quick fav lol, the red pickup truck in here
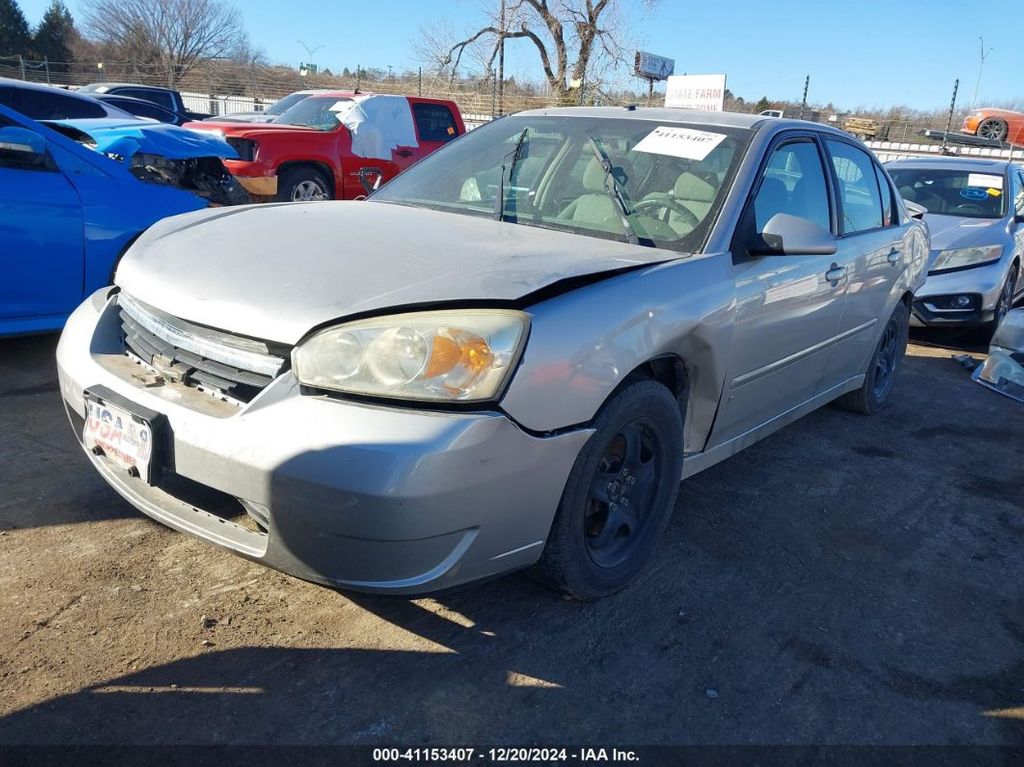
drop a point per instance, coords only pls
(334, 145)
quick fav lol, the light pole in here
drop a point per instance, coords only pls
(309, 52)
(984, 55)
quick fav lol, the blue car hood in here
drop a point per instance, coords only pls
(129, 137)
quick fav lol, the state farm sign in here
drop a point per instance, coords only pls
(705, 93)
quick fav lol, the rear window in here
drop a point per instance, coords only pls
(953, 192)
(50, 104)
(162, 98)
(434, 122)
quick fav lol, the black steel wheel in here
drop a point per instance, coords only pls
(619, 495)
(883, 366)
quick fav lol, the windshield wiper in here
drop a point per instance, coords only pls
(611, 186)
(516, 153)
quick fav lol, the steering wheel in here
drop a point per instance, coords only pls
(667, 201)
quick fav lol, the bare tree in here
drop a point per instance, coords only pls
(575, 40)
(174, 35)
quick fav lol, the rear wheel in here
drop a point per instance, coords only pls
(619, 495)
(994, 129)
(302, 184)
(873, 395)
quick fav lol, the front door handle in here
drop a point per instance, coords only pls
(893, 257)
(835, 273)
(403, 152)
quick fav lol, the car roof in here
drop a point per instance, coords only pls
(10, 81)
(664, 114)
(980, 164)
(126, 85)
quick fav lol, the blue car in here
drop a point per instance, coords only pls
(67, 213)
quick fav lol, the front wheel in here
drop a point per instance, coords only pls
(302, 185)
(1005, 300)
(873, 395)
(619, 495)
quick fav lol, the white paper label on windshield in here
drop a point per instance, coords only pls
(985, 181)
(679, 142)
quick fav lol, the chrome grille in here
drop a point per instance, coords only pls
(233, 366)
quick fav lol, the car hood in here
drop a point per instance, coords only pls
(277, 271)
(248, 129)
(126, 138)
(948, 232)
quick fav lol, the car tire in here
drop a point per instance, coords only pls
(1005, 301)
(619, 495)
(873, 395)
(302, 184)
(993, 128)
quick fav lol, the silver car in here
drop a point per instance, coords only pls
(976, 218)
(508, 357)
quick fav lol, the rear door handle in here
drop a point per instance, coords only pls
(893, 257)
(835, 274)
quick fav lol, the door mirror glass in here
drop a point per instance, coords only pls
(788, 235)
(20, 146)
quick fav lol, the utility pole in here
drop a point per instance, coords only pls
(501, 60)
(803, 104)
(981, 66)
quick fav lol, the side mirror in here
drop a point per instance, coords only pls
(786, 235)
(21, 146)
(915, 210)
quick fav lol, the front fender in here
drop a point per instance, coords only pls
(585, 342)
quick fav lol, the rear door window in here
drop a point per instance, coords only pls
(434, 122)
(162, 98)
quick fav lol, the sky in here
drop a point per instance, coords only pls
(869, 53)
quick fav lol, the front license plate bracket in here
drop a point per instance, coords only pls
(148, 467)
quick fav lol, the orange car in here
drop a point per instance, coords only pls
(997, 124)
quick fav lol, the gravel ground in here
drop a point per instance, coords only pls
(849, 580)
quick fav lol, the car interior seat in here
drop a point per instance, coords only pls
(594, 208)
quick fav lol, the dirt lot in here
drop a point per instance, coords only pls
(849, 580)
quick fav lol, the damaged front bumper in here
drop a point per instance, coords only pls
(359, 496)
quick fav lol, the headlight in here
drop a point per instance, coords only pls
(954, 259)
(464, 355)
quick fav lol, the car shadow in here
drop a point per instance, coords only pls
(829, 584)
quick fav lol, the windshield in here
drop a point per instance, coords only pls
(953, 192)
(282, 106)
(671, 178)
(320, 112)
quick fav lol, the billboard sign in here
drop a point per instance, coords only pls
(705, 93)
(653, 67)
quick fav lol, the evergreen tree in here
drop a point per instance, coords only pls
(14, 35)
(54, 36)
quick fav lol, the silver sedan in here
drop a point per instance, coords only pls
(507, 358)
(976, 219)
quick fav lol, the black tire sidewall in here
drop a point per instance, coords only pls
(293, 177)
(658, 410)
(901, 317)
